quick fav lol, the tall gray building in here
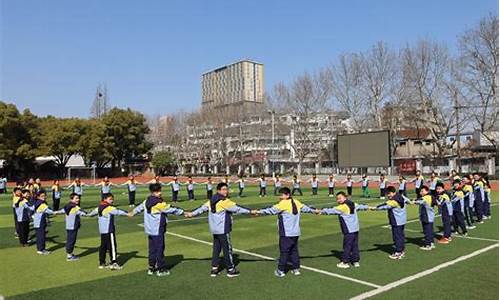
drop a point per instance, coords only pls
(239, 83)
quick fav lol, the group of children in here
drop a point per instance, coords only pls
(467, 203)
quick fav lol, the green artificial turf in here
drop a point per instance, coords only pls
(26, 275)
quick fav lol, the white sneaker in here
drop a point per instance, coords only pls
(343, 265)
(115, 266)
(356, 265)
(433, 246)
(279, 273)
(426, 248)
(43, 252)
(471, 227)
(295, 272)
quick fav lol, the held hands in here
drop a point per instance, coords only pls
(188, 214)
(130, 214)
(254, 212)
(317, 211)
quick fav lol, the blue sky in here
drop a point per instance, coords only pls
(151, 54)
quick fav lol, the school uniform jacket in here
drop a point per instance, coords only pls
(348, 216)
(426, 209)
(72, 214)
(457, 201)
(220, 212)
(106, 217)
(396, 209)
(155, 215)
(41, 210)
(468, 194)
(22, 208)
(445, 204)
(288, 212)
(479, 191)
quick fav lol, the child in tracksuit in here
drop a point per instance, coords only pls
(262, 185)
(396, 210)
(364, 186)
(478, 187)
(23, 215)
(241, 187)
(331, 186)
(382, 184)
(426, 214)
(458, 204)
(446, 209)
(41, 211)
(17, 194)
(419, 182)
(220, 209)
(155, 225)
(487, 198)
(106, 220)
(296, 186)
(468, 202)
(314, 185)
(190, 188)
(348, 183)
(277, 184)
(348, 218)
(288, 211)
(210, 187)
(175, 185)
(72, 212)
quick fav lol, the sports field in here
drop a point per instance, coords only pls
(467, 268)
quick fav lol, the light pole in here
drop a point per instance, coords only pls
(272, 139)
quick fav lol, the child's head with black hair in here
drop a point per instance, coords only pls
(108, 198)
(41, 194)
(349, 176)
(424, 190)
(222, 189)
(17, 191)
(456, 184)
(74, 198)
(26, 193)
(391, 191)
(155, 189)
(285, 193)
(440, 188)
(341, 197)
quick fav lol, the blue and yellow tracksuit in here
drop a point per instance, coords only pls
(426, 215)
(72, 213)
(155, 225)
(487, 200)
(349, 225)
(288, 212)
(468, 204)
(457, 201)
(14, 201)
(131, 188)
(479, 199)
(220, 211)
(41, 211)
(106, 220)
(23, 215)
(396, 211)
(446, 209)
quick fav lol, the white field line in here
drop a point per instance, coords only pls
(402, 281)
(460, 236)
(418, 219)
(272, 259)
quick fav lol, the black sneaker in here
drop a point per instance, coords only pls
(233, 273)
(214, 272)
(151, 271)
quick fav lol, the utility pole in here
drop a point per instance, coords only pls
(272, 112)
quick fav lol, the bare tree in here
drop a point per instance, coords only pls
(346, 85)
(100, 105)
(479, 62)
(426, 66)
(305, 97)
(378, 71)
